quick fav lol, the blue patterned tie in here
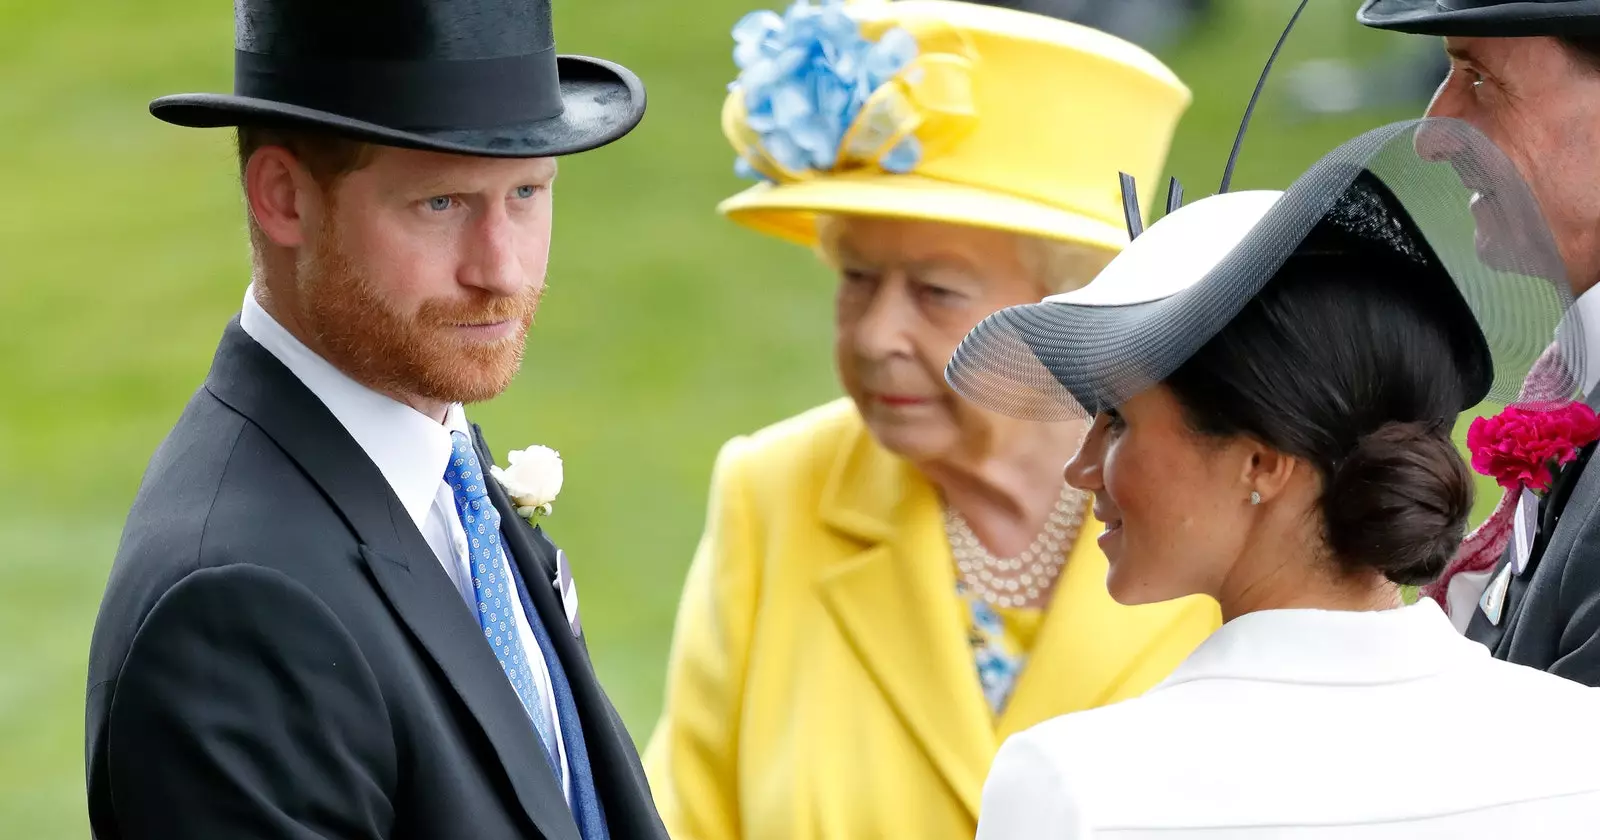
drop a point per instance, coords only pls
(492, 585)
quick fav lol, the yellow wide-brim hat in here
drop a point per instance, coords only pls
(1020, 122)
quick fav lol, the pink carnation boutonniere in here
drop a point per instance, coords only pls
(1522, 447)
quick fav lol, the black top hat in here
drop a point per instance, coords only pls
(1483, 18)
(477, 77)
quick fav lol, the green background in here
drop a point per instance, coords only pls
(666, 329)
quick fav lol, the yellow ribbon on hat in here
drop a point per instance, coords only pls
(747, 143)
(931, 98)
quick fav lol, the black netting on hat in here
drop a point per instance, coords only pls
(1367, 218)
(1428, 201)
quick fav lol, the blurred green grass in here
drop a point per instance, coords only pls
(666, 330)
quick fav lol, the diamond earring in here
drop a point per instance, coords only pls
(1255, 498)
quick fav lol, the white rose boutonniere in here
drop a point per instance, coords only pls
(532, 478)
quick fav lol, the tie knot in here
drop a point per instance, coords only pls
(464, 475)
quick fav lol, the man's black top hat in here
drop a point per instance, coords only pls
(477, 77)
(1483, 18)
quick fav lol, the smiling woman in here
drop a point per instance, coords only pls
(1388, 494)
(890, 584)
(1273, 379)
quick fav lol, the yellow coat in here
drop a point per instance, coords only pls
(820, 684)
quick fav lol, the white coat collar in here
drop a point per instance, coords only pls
(1325, 647)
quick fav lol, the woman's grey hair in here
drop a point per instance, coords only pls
(1059, 266)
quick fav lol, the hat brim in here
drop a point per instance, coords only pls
(1061, 360)
(790, 211)
(1505, 20)
(602, 102)
(1385, 198)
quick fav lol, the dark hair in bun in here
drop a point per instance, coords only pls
(1399, 502)
(1347, 363)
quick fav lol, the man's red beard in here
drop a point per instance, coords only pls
(421, 355)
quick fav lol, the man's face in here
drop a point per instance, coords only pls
(422, 272)
(1540, 104)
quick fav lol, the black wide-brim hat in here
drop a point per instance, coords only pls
(474, 77)
(1397, 200)
(1483, 18)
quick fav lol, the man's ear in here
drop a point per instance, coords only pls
(280, 192)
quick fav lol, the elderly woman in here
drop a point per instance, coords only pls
(890, 584)
(1276, 433)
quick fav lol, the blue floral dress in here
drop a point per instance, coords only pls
(1000, 638)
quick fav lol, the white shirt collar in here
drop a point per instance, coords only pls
(1327, 647)
(408, 447)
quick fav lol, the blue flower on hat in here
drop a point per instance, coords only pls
(804, 78)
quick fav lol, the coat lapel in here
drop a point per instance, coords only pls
(1555, 502)
(250, 380)
(417, 587)
(897, 596)
(618, 781)
(1551, 506)
(896, 606)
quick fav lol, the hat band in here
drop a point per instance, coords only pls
(463, 94)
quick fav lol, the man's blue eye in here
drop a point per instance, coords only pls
(439, 204)
(526, 191)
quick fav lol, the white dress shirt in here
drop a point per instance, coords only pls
(412, 451)
(1466, 589)
(1300, 724)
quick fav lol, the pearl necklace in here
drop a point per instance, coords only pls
(1020, 580)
